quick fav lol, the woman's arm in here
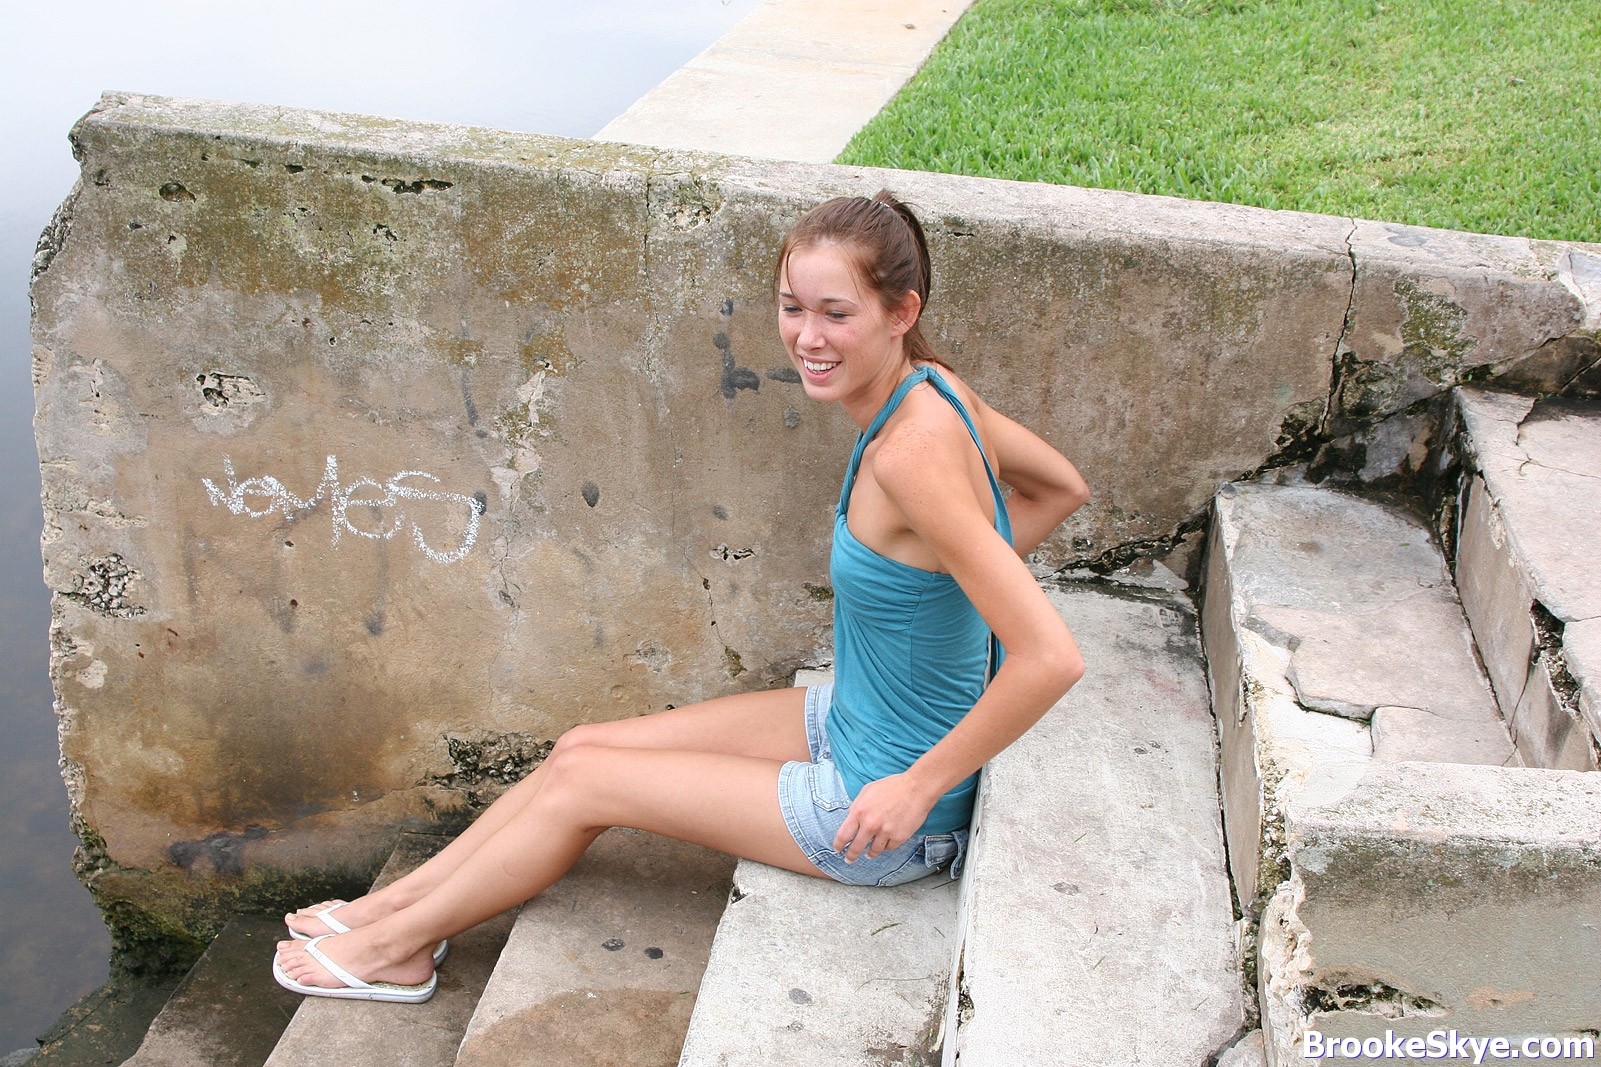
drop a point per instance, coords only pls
(1046, 487)
(923, 472)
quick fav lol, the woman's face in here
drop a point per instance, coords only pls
(839, 337)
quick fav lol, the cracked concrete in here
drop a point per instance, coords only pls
(1579, 271)
(1323, 599)
(1340, 348)
(1317, 605)
(1541, 465)
(1415, 328)
(1403, 870)
(1530, 586)
(1489, 879)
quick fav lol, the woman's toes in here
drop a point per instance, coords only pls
(309, 920)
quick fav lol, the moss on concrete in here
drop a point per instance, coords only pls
(162, 921)
(487, 764)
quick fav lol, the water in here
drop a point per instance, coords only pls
(546, 66)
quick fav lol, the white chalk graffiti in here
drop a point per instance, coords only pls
(260, 497)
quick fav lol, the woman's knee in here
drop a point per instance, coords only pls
(589, 733)
(571, 775)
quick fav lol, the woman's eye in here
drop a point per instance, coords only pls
(788, 309)
(837, 316)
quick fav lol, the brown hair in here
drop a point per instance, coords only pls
(885, 245)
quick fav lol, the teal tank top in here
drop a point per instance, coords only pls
(911, 653)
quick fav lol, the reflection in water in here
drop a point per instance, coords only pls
(542, 66)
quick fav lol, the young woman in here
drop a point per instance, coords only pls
(868, 781)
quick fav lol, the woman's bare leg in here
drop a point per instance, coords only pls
(727, 802)
(767, 725)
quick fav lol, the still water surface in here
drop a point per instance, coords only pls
(545, 66)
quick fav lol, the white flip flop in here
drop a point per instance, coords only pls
(325, 916)
(354, 988)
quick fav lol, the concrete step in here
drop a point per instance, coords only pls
(810, 971)
(1529, 574)
(603, 967)
(805, 970)
(106, 1026)
(1390, 869)
(228, 1011)
(367, 1034)
(1326, 617)
(1097, 927)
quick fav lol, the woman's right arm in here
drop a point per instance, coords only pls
(1046, 487)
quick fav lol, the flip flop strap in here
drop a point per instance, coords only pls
(333, 968)
(325, 916)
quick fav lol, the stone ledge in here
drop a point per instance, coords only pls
(603, 966)
(1096, 926)
(1435, 896)
(1318, 600)
(805, 970)
(228, 1011)
(809, 971)
(1405, 894)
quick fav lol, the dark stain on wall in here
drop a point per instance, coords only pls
(224, 850)
(735, 377)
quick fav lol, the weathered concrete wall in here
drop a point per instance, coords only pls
(375, 454)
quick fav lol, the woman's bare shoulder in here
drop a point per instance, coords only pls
(929, 431)
(984, 417)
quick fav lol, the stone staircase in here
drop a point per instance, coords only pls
(1406, 772)
(1395, 759)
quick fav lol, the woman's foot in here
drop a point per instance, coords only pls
(358, 957)
(343, 916)
(303, 924)
(318, 919)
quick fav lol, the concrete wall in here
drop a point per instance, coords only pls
(377, 453)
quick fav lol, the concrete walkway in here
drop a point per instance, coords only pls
(793, 80)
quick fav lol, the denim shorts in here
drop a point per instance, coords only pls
(815, 803)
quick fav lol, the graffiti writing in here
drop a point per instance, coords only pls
(266, 495)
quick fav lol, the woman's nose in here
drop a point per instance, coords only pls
(810, 336)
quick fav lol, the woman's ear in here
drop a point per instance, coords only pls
(904, 316)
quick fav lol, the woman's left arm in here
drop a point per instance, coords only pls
(1046, 487)
(924, 474)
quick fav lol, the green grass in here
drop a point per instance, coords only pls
(1480, 115)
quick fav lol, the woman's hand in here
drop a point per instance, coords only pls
(884, 816)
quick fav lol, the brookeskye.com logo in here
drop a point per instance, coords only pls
(1448, 1045)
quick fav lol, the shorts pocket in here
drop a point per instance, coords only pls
(910, 869)
(828, 788)
(941, 850)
